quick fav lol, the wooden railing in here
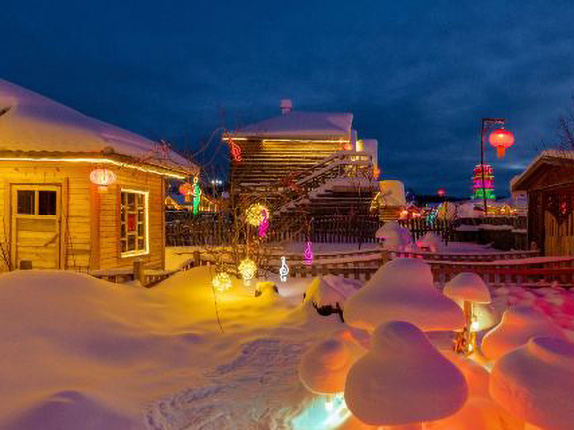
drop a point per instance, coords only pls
(466, 257)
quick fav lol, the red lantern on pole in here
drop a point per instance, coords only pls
(441, 192)
(501, 139)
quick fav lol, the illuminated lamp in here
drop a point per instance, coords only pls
(103, 177)
(284, 270)
(248, 269)
(308, 254)
(221, 282)
(441, 192)
(501, 139)
(256, 214)
(376, 172)
(348, 147)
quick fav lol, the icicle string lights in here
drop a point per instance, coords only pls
(284, 270)
(308, 254)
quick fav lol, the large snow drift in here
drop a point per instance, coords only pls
(81, 353)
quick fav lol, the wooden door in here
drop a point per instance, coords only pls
(36, 225)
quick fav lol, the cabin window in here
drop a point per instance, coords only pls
(134, 223)
(36, 202)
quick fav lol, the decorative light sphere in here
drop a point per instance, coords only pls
(248, 269)
(501, 139)
(255, 214)
(103, 177)
(221, 282)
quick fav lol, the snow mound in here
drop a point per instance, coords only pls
(331, 290)
(394, 236)
(518, 325)
(534, 383)
(468, 287)
(60, 410)
(431, 241)
(403, 379)
(324, 367)
(403, 290)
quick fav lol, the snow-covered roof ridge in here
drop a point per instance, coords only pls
(301, 124)
(30, 122)
(548, 154)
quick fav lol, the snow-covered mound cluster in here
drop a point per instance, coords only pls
(394, 237)
(403, 290)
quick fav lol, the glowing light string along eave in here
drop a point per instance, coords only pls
(96, 161)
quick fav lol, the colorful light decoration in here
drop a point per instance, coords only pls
(480, 190)
(376, 172)
(103, 177)
(308, 254)
(264, 226)
(255, 214)
(347, 147)
(235, 150)
(283, 270)
(441, 192)
(221, 282)
(186, 189)
(196, 195)
(248, 270)
(501, 139)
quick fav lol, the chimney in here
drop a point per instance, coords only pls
(286, 106)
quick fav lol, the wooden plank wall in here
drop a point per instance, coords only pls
(90, 219)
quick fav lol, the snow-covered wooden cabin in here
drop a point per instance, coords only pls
(55, 207)
(315, 152)
(549, 183)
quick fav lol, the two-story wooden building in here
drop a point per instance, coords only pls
(77, 193)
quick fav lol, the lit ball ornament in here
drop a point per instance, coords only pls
(248, 269)
(256, 214)
(103, 177)
(221, 282)
(501, 139)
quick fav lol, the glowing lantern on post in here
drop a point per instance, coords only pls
(441, 192)
(102, 178)
(248, 269)
(501, 139)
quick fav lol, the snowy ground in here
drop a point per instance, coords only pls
(81, 353)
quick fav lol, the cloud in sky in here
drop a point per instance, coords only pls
(418, 75)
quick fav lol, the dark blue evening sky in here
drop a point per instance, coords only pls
(418, 75)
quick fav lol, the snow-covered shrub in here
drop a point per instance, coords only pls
(393, 236)
(329, 293)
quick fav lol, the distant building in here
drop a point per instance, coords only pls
(309, 161)
(549, 184)
(78, 193)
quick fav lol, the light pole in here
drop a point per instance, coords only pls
(487, 123)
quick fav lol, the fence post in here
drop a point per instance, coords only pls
(196, 258)
(139, 271)
(25, 264)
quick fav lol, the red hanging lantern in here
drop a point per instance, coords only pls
(441, 192)
(103, 177)
(347, 147)
(501, 139)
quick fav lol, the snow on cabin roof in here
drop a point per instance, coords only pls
(301, 125)
(517, 182)
(30, 122)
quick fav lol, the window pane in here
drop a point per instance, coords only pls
(47, 203)
(26, 202)
(131, 243)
